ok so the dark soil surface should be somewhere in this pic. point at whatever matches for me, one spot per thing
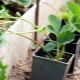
(22, 70)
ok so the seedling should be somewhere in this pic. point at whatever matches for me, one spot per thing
(55, 28)
(72, 16)
(63, 34)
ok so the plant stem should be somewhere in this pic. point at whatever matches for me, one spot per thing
(47, 36)
(34, 42)
(52, 7)
(22, 36)
(24, 20)
(57, 51)
(37, 30)
(60, 53)
(29, 39)
(7, 22)
(13, 17)
(63, 50)
(29, 22)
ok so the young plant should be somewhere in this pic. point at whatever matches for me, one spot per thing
(55, 28)
(72, 17)
(63, 35)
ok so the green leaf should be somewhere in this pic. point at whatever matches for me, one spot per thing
(41, 29)
(65, 37)
(25, 3)
(77, 26)
(51, 29)
(50, 46)
(55, 22)
(65, 28)
(64, 15)
(73, 7)
(74, 19)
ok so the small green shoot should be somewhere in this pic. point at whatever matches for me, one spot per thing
(63, 36)
(2, 70)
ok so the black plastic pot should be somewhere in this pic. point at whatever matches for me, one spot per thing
(71, 48)
(48, 69)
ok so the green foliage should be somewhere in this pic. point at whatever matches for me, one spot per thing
(73, 8)
(51, 29)
(63, 34)
(4, 13)
(64, 15)
(25, 3)
(65, 28)
(2, 70)
(74, 19)
(72, 16)
(65, 37)
(54, 21)
(50, 46)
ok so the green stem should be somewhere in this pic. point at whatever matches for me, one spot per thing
(52, 7)
(49, 55)
(37, 30)
(24, 20)
(29, 22)
(22, 36)
(57, 51)
(7, 22)
(19, 33)
(47, 36)
(29, 39)
(62, 51)
(34, 42)
(13, 17)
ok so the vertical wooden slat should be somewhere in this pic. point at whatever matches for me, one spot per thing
(36, 17)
